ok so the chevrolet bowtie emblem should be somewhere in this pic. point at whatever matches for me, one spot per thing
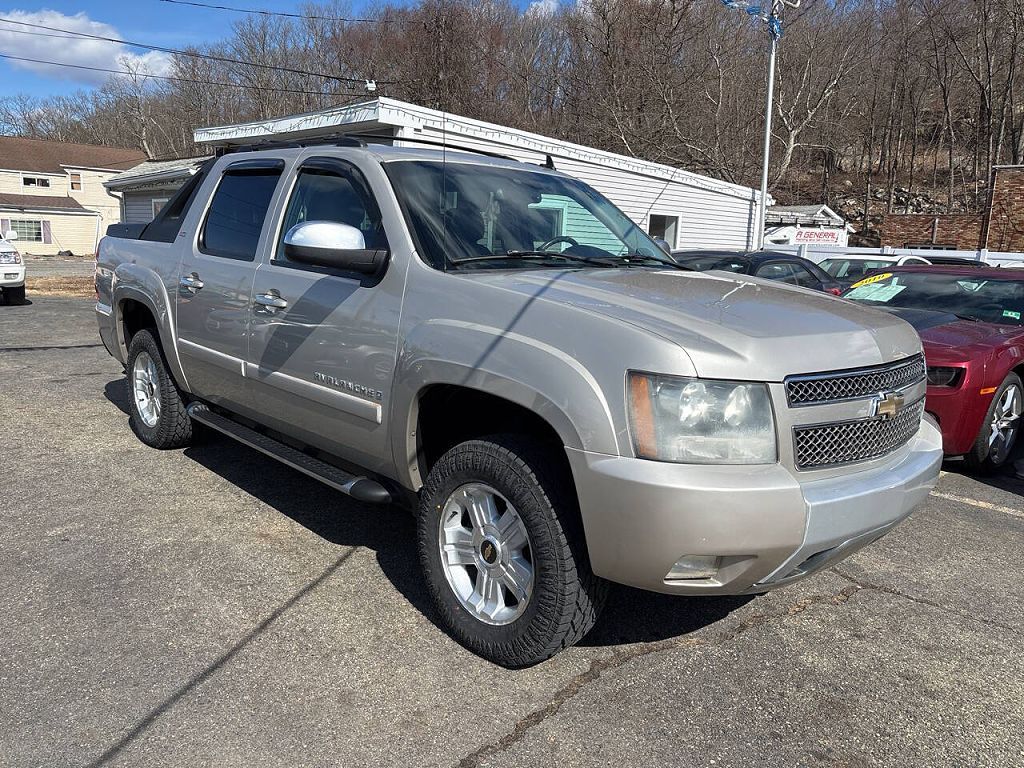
(888, 404)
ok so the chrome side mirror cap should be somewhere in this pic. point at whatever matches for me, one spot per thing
(334, 245)
(10, 236)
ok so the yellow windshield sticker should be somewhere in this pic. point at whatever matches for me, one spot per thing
(872, 279)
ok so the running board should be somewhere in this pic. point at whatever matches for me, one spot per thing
(359, 488)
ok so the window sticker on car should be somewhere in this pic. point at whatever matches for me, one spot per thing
(872, 279)
(880, 293)
(1011, 313)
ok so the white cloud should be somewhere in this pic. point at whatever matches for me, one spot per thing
(68, 49)
(542, 7)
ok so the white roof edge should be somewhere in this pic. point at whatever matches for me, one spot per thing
(400, 113)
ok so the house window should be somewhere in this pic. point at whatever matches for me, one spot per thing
(664, 227)
(76, 181)
(34, 181)
(158, 204)
(29, 230)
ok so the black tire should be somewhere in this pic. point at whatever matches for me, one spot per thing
(566, 599)
(173, 427)
(15, 297)
(979, 458)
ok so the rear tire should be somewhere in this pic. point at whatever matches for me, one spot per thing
(156, 407)
(991, 452)
(15, 297)
(529, 619)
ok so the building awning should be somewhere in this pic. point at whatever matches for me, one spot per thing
(156, 174)
(40, 203)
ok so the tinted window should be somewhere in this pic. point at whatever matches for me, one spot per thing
(236, 215)
(994, 301)
(325, 196)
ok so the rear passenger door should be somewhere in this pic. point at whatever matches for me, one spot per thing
(215, 281)
(324, 342)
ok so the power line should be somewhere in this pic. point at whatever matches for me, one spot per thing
(175, 79)
(312, 17)
(179, 52)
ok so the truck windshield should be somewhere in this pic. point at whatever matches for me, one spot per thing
(474, 216)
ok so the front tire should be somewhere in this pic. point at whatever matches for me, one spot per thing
(15, 296)
(156, 408)
(502, 550)
(1000, 429)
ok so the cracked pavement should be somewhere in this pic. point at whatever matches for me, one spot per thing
(211, 607)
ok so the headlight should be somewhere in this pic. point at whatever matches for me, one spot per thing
(8, 257)
(939, 376)
(699, 421)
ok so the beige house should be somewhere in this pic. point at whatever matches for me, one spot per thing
(52, 193)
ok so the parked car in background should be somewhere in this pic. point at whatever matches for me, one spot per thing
(971, 321)
(850, 269)
(12, 270)
(956, 261)
(772, 265)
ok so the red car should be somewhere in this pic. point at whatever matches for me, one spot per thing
(971, 320)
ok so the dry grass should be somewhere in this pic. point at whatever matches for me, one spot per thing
(60, 286)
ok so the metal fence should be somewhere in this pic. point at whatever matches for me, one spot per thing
(817, 253)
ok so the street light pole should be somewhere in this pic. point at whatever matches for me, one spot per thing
(762, 202)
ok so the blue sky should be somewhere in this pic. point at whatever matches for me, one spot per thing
(148, 21)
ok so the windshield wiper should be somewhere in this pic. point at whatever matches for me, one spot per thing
(965, 317)
(534, 255)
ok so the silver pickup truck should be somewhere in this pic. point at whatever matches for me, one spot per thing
(499, 347)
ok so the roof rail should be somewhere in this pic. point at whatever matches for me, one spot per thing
(351, 140)
(334, 139)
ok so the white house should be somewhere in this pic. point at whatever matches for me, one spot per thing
(686, 209)
(804, 225)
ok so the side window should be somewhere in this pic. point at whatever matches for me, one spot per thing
(777, 270)
(237, 211)
(802, 276)
(332, 195)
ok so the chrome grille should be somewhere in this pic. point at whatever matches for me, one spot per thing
(844, 442)
(815, 389)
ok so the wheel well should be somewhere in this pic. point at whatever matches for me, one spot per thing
(135, 316)
(451, 414)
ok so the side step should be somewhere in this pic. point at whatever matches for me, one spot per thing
(360, 488)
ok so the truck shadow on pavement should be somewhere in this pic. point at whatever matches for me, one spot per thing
(630, 616)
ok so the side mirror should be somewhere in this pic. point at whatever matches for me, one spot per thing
(10, 236)
(332, 244)
(663, 244)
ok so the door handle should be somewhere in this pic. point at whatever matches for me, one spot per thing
(191, 282)
(269, 302)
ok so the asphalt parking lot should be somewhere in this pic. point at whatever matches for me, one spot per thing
(212, 607)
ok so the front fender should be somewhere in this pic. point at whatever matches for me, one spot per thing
(558, 388)
(133, 282)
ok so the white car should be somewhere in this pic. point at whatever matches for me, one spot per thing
(850, 269)
(12, 270)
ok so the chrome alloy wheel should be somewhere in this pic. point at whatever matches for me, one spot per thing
(1004, 425)
(485, 553)
(146, 389)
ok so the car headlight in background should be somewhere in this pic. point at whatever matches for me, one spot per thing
(940, 376)
(701, 421)
(8, 257)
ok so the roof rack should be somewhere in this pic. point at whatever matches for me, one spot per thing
(334, 139)
(352, 140)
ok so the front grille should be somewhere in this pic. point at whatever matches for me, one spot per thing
(848, 441)
(815, 389)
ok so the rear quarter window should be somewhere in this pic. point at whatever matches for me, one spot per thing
(236, 214)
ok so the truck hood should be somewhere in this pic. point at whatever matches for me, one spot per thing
(735, 327)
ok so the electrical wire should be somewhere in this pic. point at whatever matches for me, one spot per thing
(175, 79)
(180, 52)
(284, 14)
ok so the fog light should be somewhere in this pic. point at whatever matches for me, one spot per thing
(694, 567)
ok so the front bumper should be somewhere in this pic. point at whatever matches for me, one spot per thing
(12, 275)
(768, 527)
